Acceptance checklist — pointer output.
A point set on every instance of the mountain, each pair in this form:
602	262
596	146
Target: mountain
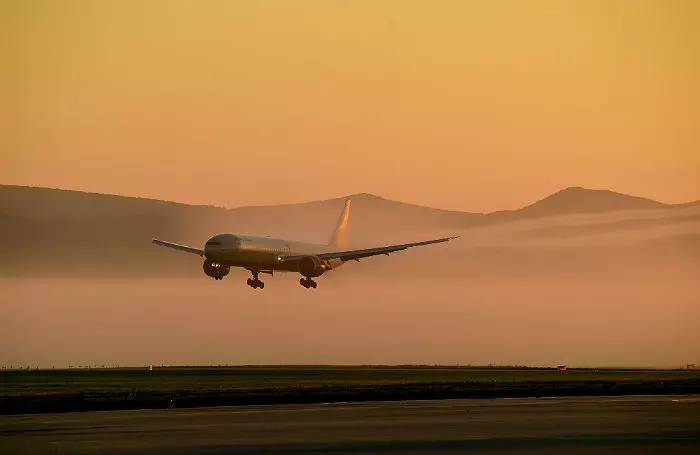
688	204
578	200
61	231
583	200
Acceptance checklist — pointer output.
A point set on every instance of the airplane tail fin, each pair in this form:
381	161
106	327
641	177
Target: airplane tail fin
337	240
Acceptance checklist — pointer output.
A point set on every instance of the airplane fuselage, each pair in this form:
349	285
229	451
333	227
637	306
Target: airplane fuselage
259	253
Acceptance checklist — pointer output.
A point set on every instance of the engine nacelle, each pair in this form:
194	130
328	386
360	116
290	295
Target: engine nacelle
312	266
215	270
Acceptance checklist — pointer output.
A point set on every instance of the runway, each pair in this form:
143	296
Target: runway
628	424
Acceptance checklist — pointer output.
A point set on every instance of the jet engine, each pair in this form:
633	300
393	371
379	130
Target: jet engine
215	270
311	266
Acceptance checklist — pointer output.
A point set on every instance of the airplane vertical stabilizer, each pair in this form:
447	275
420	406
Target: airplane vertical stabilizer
339	235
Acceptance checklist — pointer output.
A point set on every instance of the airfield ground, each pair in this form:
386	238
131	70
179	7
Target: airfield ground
38	391
571	425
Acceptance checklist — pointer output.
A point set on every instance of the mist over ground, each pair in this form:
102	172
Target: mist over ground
82	285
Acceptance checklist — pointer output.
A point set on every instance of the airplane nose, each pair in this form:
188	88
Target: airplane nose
211	247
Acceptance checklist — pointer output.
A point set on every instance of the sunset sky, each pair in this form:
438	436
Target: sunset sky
469	105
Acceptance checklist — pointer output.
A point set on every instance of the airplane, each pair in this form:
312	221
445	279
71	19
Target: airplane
267	255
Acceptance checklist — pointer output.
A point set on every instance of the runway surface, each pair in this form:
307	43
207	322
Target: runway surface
630	424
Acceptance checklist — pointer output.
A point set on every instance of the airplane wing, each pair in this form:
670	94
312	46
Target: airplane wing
186	249
358	254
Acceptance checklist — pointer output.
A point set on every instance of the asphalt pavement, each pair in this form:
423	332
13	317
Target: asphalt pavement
626	424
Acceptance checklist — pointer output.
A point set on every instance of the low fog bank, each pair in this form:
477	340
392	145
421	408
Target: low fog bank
574	245
46	233
351	318
82	285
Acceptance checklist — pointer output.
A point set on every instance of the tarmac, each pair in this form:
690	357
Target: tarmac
624	424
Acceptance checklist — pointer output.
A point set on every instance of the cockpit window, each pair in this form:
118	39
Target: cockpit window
213	242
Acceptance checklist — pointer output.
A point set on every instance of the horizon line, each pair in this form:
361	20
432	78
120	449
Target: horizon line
345	197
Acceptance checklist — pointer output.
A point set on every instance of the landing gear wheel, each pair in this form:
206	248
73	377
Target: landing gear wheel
307	283
255	283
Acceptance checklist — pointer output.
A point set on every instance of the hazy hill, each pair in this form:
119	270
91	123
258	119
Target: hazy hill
61	231
48	203
583	200
577	200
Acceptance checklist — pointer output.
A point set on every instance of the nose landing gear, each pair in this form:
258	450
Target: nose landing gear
308	283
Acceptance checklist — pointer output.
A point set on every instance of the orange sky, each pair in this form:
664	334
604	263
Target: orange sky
470	105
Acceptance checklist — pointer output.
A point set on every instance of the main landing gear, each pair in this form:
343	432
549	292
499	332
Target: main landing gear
254	282
307	283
